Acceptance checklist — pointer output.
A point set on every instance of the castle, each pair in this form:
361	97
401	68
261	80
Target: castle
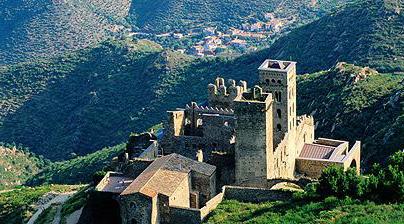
241	136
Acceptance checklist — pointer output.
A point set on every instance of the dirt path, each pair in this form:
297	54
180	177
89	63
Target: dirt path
5	191
56	219
59	199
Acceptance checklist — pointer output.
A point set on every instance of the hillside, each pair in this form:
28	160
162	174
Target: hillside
183	15
32	29
43	29
355	103
96	97
78	170
18	205
81	102
376	39
93	98
16	166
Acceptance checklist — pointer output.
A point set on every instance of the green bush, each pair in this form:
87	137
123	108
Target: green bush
382	184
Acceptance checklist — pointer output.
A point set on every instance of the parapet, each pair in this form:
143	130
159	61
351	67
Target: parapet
277	65
256	94
209	110
220	95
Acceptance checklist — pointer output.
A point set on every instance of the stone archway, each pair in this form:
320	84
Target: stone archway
301	182
286	185
353	164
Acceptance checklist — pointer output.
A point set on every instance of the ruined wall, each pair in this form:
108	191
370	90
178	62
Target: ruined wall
304	132
353	158
224	163
282	164
191	215
255	195
218	128
175	123
134	168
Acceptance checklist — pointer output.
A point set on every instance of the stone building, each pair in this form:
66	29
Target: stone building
167	183
258	128
241	136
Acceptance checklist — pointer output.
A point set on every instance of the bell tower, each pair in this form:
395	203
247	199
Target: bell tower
279	78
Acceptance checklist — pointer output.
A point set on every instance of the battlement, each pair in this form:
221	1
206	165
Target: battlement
220	95
209	110
256	94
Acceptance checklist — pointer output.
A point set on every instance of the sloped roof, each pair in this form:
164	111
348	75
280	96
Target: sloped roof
116	183
165	174
316	151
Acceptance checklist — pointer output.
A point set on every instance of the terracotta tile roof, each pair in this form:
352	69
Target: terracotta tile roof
316	151
165	174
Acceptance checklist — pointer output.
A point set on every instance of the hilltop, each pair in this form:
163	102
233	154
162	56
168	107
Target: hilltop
17	165
181	15
41	29
368	33
44	29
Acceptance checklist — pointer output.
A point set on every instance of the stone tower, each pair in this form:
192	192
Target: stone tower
221	95
254	146
279	78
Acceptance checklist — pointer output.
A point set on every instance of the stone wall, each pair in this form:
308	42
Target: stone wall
353	158
253	150
255	195
191	215
211	205
313	167
205	185
139	208
181	195
135	167
185	215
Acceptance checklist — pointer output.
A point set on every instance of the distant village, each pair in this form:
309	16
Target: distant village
211	41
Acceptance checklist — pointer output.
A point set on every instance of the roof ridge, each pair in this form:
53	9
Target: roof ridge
157	170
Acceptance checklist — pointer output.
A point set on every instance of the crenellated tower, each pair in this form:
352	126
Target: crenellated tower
222	96
254	146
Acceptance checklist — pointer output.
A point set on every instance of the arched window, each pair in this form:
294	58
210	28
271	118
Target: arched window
267	81
199	122
279	97
273	80
278	127
279	113
279	82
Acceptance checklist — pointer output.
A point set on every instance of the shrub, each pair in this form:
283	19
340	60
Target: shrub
382	184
